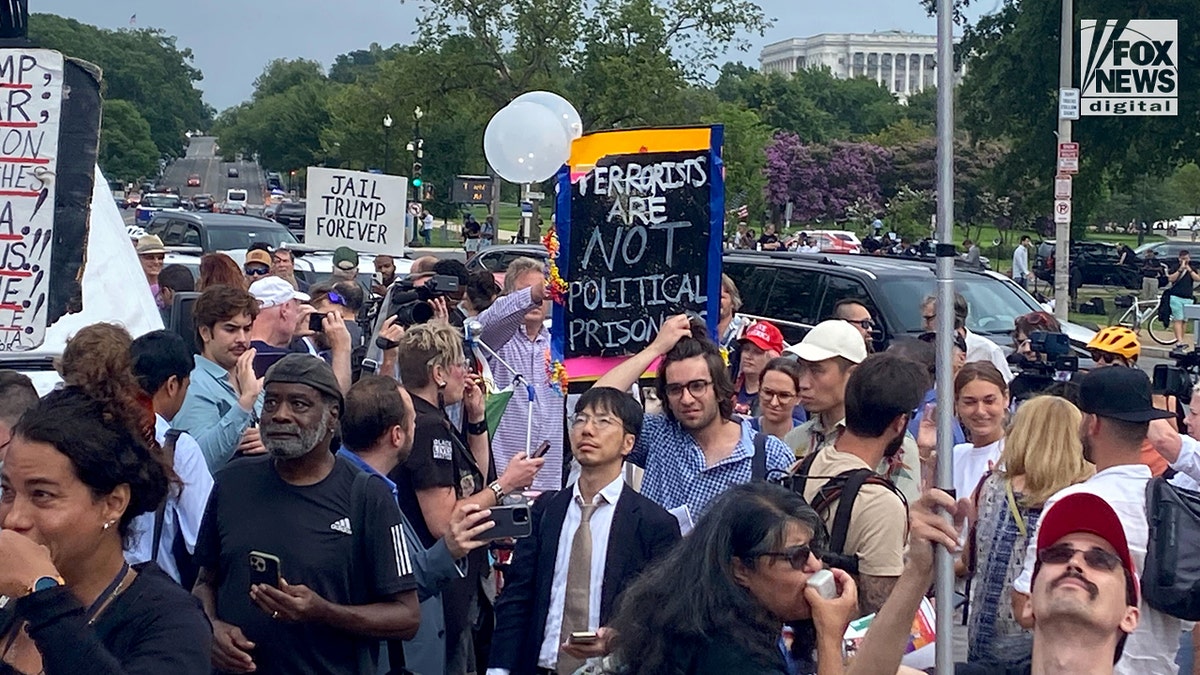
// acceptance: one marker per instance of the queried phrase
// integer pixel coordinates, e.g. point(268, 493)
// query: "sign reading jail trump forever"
point(364, 211)
point(642, 245)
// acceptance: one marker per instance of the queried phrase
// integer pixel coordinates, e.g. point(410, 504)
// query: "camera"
point(410, 303)
point(1177, 380)
point(1054, 362)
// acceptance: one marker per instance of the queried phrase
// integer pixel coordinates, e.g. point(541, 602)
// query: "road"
point(202, 159)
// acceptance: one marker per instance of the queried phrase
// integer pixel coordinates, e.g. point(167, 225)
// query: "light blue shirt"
point(211, 413)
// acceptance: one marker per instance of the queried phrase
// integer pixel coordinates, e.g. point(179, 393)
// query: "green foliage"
point(746, 138)
point(126, 151)
point(283, 120)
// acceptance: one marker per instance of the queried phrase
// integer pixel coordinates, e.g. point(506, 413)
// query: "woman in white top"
point(981, 404)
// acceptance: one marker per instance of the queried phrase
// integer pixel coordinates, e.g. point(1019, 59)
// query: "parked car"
point(795, 291)
point(1092, 263)
point(232, 172)
point(155, 202)
point(217, 231)
point(496, 259)
point(291, 215)
point(1168, 251)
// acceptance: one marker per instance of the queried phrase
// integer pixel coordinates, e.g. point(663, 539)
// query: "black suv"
point(216, 231)
point(291, 215)
point(795, 291)
point(1092, 263)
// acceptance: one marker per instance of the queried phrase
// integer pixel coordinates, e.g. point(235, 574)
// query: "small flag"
point(743, 211)
point(133, 20)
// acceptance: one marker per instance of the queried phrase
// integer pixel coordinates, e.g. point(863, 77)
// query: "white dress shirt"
point(980, 348)
point(1187, 464)
point(1151, 647)
point(184, 509)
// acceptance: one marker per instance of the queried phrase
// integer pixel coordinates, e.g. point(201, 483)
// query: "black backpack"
point(843, 489)
point(1171, 574)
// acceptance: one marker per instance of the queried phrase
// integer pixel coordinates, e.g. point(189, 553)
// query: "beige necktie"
point(579, 581)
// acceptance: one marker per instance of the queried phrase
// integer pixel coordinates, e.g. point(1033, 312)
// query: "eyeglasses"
point(796, 556)
point(1104, 357)
point(865, 324)
point(781, 396)
point(695, 388)
point(156, 257)
point(257, 271)
point(1096, 558)
point(602, 422)
point(929, 318)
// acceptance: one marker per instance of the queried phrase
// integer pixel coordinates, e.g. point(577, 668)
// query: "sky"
point(233, 39)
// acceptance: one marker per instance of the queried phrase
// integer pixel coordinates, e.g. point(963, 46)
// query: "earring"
point(108, 524)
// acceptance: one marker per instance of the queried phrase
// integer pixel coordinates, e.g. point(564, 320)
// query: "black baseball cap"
point(1120, 393)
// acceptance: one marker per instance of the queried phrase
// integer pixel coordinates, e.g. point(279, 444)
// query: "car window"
point(992, 303)
point(157, 227)
point(794, 296)
point(192, 236)
point(754, 285)
point(229, 238)
point(172, 233)
point(842, 288)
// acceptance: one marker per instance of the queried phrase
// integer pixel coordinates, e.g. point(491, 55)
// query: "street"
point(202, 159)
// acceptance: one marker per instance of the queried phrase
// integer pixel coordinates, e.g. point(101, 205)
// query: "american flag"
point(743, 211)
point(133, 20)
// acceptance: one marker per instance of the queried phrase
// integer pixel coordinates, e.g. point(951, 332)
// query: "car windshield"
point(161, 201)
point(229, 238)
point(993, 303)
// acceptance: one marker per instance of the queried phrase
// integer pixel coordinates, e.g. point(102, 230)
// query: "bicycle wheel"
point(1162, 335)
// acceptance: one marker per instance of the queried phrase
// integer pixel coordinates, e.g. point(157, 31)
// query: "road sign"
point(471, 190)
point(1068, 158)
point(1068, 104)
point(1062, 211)
point(1062, 187)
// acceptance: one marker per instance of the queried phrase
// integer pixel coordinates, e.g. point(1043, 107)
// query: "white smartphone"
point(824, 583)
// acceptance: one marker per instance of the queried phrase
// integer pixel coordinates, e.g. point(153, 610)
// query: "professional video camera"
point(1177, 380)
point(1054, 362)
point(410, 303)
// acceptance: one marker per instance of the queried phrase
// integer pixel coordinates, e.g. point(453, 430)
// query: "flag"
point(133, 20)
point(743, 211)
point(495, 400)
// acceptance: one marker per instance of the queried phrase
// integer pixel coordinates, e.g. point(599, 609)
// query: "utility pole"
point(387, 135)
point(1062, 227)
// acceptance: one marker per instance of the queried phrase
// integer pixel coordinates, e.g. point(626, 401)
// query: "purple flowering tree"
point(823, 182)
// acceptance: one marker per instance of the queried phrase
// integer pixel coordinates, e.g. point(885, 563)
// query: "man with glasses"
point(856, 314)
point(1117, 411)
point(979, 348)
point(589, 542)
point(697, 448)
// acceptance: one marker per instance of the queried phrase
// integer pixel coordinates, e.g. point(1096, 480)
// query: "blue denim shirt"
point(211, 414)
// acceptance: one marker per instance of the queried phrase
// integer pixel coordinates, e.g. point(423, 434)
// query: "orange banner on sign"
point(589, 149)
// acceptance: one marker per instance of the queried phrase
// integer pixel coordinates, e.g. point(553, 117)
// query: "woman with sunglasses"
point(717, 602)
point(1042, 455)
point(778, 397)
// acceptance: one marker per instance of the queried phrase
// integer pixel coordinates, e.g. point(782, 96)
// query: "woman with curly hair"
point(218, 268)
point(81, 466)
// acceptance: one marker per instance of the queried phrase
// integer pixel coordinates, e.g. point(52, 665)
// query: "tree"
point(1184, 188)
point(824, 182)
point(126, 150)
point(745, 158)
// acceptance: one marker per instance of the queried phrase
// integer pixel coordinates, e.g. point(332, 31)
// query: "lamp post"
point(417, 147)
point(387, 133)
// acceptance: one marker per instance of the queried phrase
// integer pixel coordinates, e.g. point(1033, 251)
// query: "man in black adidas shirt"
point(345, 577)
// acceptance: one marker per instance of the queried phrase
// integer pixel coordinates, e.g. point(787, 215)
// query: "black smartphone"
point(315, 322)
point(540, 450)
point(512, 522)
point(265, 569)
point(263, 361)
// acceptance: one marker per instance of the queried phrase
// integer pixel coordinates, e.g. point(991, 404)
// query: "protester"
point(283, 265)
point(470, 234)
point(345, 265)
point(715, 603)
point(378, 429)
point(981, 404)
point(385, 274)
point(779, 397)
point(1042, 455)
point(482, 291)
point(828, 355)
point(80, 468)
point(589, 543)
point(257, 264)
point(880, 397)
point(218, 269)
point(761, 343)
point(514, 328)
point(855, 313)
point(224, 397)
point(17, 394)
point(979, 348)
point(278, 313)
point(973, 254)
point(173, 279)
point(336, 596)
point(730, 324)
point(1020, 263)
point(151, 253)
point(698, 448)
point(449, 466)
point(1117, 409)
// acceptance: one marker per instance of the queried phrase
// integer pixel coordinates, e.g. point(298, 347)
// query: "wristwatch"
point(44, 583)
point(477, 428)
point(498, 491)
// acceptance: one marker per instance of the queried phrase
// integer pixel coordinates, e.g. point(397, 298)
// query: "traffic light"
point(416, 175)
point(427, 193)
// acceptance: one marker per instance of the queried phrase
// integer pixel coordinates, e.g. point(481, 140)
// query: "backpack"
point(188, 569)
point(843, 489)
point(1171, 574)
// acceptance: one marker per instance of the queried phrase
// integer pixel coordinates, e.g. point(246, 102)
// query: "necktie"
point(576, 601)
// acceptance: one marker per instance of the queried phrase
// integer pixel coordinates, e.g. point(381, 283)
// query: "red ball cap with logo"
point(1086, 512)
point(765, 336)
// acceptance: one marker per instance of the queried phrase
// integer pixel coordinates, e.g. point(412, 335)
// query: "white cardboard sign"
point(364, 211)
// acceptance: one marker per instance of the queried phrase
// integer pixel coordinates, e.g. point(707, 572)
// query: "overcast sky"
point(233, 39)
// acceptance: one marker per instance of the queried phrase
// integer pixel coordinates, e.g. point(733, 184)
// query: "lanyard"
point(108, 594)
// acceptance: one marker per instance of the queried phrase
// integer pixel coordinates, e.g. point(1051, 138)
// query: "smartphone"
point(824, 583)
point(540, 450)
point(512, 522)
point(586, 637)
point(263, 361)
point(265, 569)
point(315, 322)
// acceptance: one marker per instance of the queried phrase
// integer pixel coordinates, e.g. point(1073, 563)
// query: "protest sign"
point(639, 224)
point(364, 211)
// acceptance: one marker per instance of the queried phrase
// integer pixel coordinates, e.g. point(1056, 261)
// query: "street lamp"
point(387, 133)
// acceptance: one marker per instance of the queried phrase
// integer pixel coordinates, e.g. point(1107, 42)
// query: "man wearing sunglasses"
point(1117, 411)
point(257, 265)
point(856, 314)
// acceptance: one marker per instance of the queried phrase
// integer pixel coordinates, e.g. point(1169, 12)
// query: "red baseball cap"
point(765, 336)
point(1086, 512)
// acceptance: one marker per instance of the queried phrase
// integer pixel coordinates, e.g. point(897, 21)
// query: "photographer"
point(1042, 353)
point(1182, 285)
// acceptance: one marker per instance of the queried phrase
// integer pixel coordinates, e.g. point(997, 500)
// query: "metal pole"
point(387, 137)
point(944, 562)
point(1062, 231)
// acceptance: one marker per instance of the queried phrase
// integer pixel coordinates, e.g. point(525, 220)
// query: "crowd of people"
point(256, 496)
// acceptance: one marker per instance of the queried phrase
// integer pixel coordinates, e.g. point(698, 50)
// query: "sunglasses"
point(336, 298)
point(1096, 558)
point(257, 271)
point(796, 556)
point(1104, 357)
point(866, 324)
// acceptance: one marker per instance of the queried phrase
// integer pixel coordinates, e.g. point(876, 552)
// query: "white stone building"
point(904, 63)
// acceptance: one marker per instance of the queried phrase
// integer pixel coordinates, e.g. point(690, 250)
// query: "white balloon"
point(524, 143)
point(560, 107)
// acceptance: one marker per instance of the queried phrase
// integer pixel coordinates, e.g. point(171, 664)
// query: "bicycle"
point(1144, 313)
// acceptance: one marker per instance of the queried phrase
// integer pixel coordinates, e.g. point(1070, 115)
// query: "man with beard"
point(333, 533)
point(867, 533)
point(1117, 410)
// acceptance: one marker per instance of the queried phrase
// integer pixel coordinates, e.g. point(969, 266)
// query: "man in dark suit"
point(589, 542)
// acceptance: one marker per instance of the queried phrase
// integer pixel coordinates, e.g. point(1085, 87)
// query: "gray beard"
point(294, 448)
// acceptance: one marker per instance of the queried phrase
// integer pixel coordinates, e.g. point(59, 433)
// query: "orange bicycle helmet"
point(1117, 340)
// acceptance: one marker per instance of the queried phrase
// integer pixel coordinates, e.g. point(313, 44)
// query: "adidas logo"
point(342, 526)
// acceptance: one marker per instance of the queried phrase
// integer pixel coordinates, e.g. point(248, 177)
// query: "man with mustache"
point(345, 577)
point(1117, 411)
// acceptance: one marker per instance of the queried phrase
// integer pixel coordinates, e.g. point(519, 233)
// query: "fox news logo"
point(1130, 67)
